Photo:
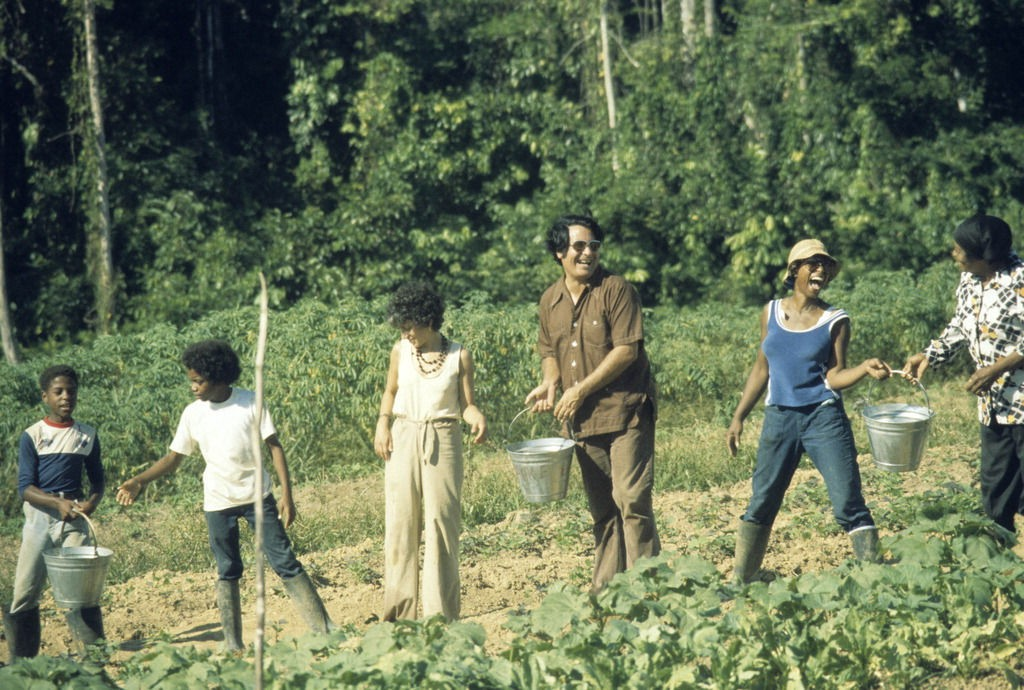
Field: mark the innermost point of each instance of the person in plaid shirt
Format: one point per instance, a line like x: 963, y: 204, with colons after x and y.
x: 989, y: 321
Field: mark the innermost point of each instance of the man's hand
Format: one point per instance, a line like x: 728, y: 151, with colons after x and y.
x: 569, y: 405
x: 128, y: 491
x: 286, y: 511
x: 542, y: 397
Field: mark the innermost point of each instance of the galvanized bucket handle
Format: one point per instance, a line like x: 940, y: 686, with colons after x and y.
x: 901, y: 374
x: 92, y: 527
x: 508, y: 433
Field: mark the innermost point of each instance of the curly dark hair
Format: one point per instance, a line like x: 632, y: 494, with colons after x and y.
x: 56, y: 371
x: 558, y: 233
x: 214, y: 360
x: 418, y: 303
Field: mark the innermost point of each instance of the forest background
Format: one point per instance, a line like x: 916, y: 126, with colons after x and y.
x: 157, y: 155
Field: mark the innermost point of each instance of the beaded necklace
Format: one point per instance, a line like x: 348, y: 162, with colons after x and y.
x: 432, y: 366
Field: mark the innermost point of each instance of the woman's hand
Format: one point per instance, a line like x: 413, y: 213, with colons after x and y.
x: 382, y: 442
x: 915, y: 366
x: 981, y: 380
x: 876, y: 369
x: 732, y: 437
x: 477, y: 425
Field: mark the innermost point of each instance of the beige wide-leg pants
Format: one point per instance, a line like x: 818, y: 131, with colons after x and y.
x: 422, y: 493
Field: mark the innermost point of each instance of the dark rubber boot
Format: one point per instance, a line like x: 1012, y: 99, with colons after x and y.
x: 865, y: 545
x: 86, y: 626
x: 300, y: 588
x: 229, y: 603
x: 23, y: 632
x: 751, y: 544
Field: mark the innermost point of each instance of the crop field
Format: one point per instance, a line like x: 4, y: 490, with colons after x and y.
x: 945, y: 609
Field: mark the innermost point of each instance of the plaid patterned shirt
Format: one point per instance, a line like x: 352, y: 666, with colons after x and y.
x: 989, y: 321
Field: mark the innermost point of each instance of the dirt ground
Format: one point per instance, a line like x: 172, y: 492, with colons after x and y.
x: 180, y: 607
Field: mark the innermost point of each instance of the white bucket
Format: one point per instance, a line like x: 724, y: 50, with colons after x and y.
x: 77, y: 572
x: 898, y: 433
x: 542, y: 466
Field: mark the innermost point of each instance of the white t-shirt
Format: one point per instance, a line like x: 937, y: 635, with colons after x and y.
x: 222, y: 433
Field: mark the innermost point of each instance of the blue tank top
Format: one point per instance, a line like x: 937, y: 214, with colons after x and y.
x: 798, y: 360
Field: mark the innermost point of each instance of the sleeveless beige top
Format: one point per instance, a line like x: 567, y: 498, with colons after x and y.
x: 422, y: 398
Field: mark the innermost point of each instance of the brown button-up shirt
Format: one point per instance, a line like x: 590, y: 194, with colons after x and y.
x: 579, y: 336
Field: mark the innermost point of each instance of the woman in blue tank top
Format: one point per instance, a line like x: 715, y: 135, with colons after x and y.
x: 802, y: 365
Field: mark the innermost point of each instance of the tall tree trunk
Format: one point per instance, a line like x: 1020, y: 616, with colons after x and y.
x: 688, y: 23
x: 609, y: 86
x: 6, y: 330
x: 101, y: 261
x: 710, y: 18
x: 208, y: 47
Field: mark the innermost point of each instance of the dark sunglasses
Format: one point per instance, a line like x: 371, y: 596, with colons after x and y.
x: 580, y: 245
x: 819, y: 262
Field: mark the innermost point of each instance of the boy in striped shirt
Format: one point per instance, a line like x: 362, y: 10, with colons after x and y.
x: 53, y: 453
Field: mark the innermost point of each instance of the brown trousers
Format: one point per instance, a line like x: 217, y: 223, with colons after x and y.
x: 618, y: 475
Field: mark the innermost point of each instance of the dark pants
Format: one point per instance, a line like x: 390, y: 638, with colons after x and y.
x: 222, y: 527
x: 618, y: 475
x: 1002, y: 485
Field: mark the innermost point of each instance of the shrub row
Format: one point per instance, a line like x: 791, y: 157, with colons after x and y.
x: 325, y: 367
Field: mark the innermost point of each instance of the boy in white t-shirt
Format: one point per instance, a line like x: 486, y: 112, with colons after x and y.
x: 219, y: 423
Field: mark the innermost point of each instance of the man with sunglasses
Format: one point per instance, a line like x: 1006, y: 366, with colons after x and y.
x: 591, y: 345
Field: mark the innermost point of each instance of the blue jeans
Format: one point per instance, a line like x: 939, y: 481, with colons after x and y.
x: 222, y: 527
x: 824, y: 432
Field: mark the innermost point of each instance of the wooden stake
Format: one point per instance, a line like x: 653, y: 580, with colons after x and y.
x: 257, y: 449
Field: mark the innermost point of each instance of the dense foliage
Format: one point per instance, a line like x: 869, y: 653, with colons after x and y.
x: 341, y: 147
x: 325, y: 369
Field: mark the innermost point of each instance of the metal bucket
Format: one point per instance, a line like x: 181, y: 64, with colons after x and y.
x: 77, y: 572
x: 542, y: 466
x: 898, y: 433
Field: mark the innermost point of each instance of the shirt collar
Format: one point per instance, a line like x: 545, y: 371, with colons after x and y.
x: 595, y: 281
x: 1003, y: 275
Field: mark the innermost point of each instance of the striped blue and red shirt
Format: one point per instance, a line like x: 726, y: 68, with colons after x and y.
x: 52, y: 456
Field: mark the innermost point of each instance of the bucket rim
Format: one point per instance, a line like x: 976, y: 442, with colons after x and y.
x: 877, y: 413
x: 508, y: 432
x: 556, y: 443
x: 74, y: 553
x: 897, y: 373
